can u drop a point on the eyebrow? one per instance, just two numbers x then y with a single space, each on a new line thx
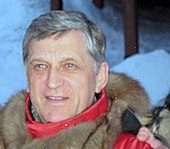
74 60
62 60
37 60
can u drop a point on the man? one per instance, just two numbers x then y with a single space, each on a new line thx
65 105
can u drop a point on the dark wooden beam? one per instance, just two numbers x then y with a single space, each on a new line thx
130 27
56 5
99 3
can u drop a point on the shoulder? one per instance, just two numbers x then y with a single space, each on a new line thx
17 102
129 91
14 107
13 120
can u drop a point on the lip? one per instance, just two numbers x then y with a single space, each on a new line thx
57 100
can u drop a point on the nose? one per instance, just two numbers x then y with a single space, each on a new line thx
54 79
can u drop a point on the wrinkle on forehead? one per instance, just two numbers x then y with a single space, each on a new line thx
65 47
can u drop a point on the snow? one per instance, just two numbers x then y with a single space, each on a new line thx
15 16
150 66
151 70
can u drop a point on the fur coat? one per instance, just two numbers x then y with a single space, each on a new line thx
122 92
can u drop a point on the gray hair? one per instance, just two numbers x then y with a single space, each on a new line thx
55 22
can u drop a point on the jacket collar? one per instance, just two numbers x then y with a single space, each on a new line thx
40 130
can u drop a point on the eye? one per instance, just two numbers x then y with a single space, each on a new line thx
40 66
70 66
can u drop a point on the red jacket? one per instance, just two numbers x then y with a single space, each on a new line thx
39 130
129 141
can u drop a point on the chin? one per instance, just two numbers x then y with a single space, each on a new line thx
56 119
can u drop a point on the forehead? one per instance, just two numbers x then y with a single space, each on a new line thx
71 43
70 36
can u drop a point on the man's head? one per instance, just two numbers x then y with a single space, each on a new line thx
64 56
58 22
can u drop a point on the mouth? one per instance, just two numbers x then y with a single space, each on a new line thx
56 98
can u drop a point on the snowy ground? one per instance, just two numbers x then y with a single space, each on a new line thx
151 69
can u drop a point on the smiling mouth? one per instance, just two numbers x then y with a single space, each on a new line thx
56 98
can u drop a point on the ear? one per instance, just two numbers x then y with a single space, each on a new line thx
28 90
102 77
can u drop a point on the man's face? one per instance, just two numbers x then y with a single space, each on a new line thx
61 76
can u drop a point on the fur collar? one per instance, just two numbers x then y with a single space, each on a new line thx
40 130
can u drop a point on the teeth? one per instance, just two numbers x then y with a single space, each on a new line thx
55 98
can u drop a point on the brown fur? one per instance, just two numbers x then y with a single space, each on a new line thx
128 90
98 134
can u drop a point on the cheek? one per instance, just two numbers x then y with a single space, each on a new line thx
36 82
86 84
90 81
85 88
